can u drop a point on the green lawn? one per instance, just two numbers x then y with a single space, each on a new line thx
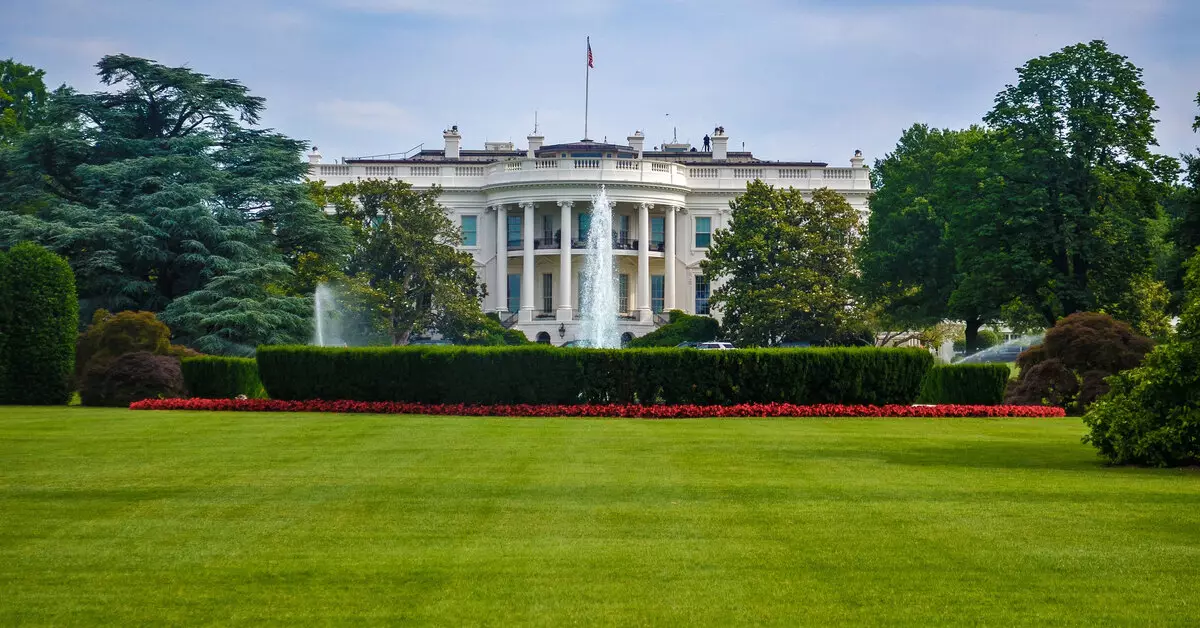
118 517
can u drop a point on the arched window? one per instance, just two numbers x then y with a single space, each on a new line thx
625 338
543 338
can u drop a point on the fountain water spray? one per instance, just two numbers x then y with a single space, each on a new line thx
599 298
326 321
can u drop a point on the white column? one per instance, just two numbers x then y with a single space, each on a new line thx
643 276
501 289
564 263
527 268
669 261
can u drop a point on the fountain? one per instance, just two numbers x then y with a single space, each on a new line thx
599 285
1003 352
327 327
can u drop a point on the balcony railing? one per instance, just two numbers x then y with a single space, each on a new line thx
516 245
618 243
523 170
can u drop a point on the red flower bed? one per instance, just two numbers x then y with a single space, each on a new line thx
598 410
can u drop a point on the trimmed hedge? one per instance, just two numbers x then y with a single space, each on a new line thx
969 384
5 278
42 321
216 377
556 375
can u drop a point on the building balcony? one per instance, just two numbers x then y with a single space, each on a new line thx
518 171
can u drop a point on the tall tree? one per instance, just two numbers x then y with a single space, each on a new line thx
786 265
404 254
927 191
162 184
22 98
1084 187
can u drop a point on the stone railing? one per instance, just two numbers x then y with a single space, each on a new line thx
589 171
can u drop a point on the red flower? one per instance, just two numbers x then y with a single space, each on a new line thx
662 411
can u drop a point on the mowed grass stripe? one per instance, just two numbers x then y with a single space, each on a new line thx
111 516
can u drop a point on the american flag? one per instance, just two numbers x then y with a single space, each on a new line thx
590 53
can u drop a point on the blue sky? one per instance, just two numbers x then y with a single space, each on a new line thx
792 80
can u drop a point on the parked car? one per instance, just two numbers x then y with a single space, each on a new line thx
715 345
687 344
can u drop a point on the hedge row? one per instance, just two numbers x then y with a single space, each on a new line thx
965 384
554 375
221 378
39 318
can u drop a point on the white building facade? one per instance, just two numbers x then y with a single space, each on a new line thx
525 217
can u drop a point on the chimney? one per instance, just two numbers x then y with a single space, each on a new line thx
720 144
857 160
315 156
535 142
453 141
637 141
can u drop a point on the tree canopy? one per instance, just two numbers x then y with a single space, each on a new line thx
1083 187
404 256
787 266
160 185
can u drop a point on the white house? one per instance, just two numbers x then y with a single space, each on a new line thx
525 217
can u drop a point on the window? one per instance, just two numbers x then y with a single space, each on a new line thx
658 230
547 292
585 225
470 230
547 228
623 228
514 232
623 292
656 293
702 292
514 292
703 231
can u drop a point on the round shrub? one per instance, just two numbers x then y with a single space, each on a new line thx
1069 368
43 316
112 335
681 327
131 377
1151 415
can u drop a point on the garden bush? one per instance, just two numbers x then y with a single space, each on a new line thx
131 377
112 335
681 327
42 316
214 377
542 374
4 318
1069 368
965 384
1151 415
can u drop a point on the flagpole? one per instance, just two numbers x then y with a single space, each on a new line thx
587 78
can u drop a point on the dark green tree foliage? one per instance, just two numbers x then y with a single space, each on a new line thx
934 186
484 330
131 377
1151 415
236 312
155 188
42 319
212 377
541 374
1070 366
404 252
965 383
681 327
787 266
1083 186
